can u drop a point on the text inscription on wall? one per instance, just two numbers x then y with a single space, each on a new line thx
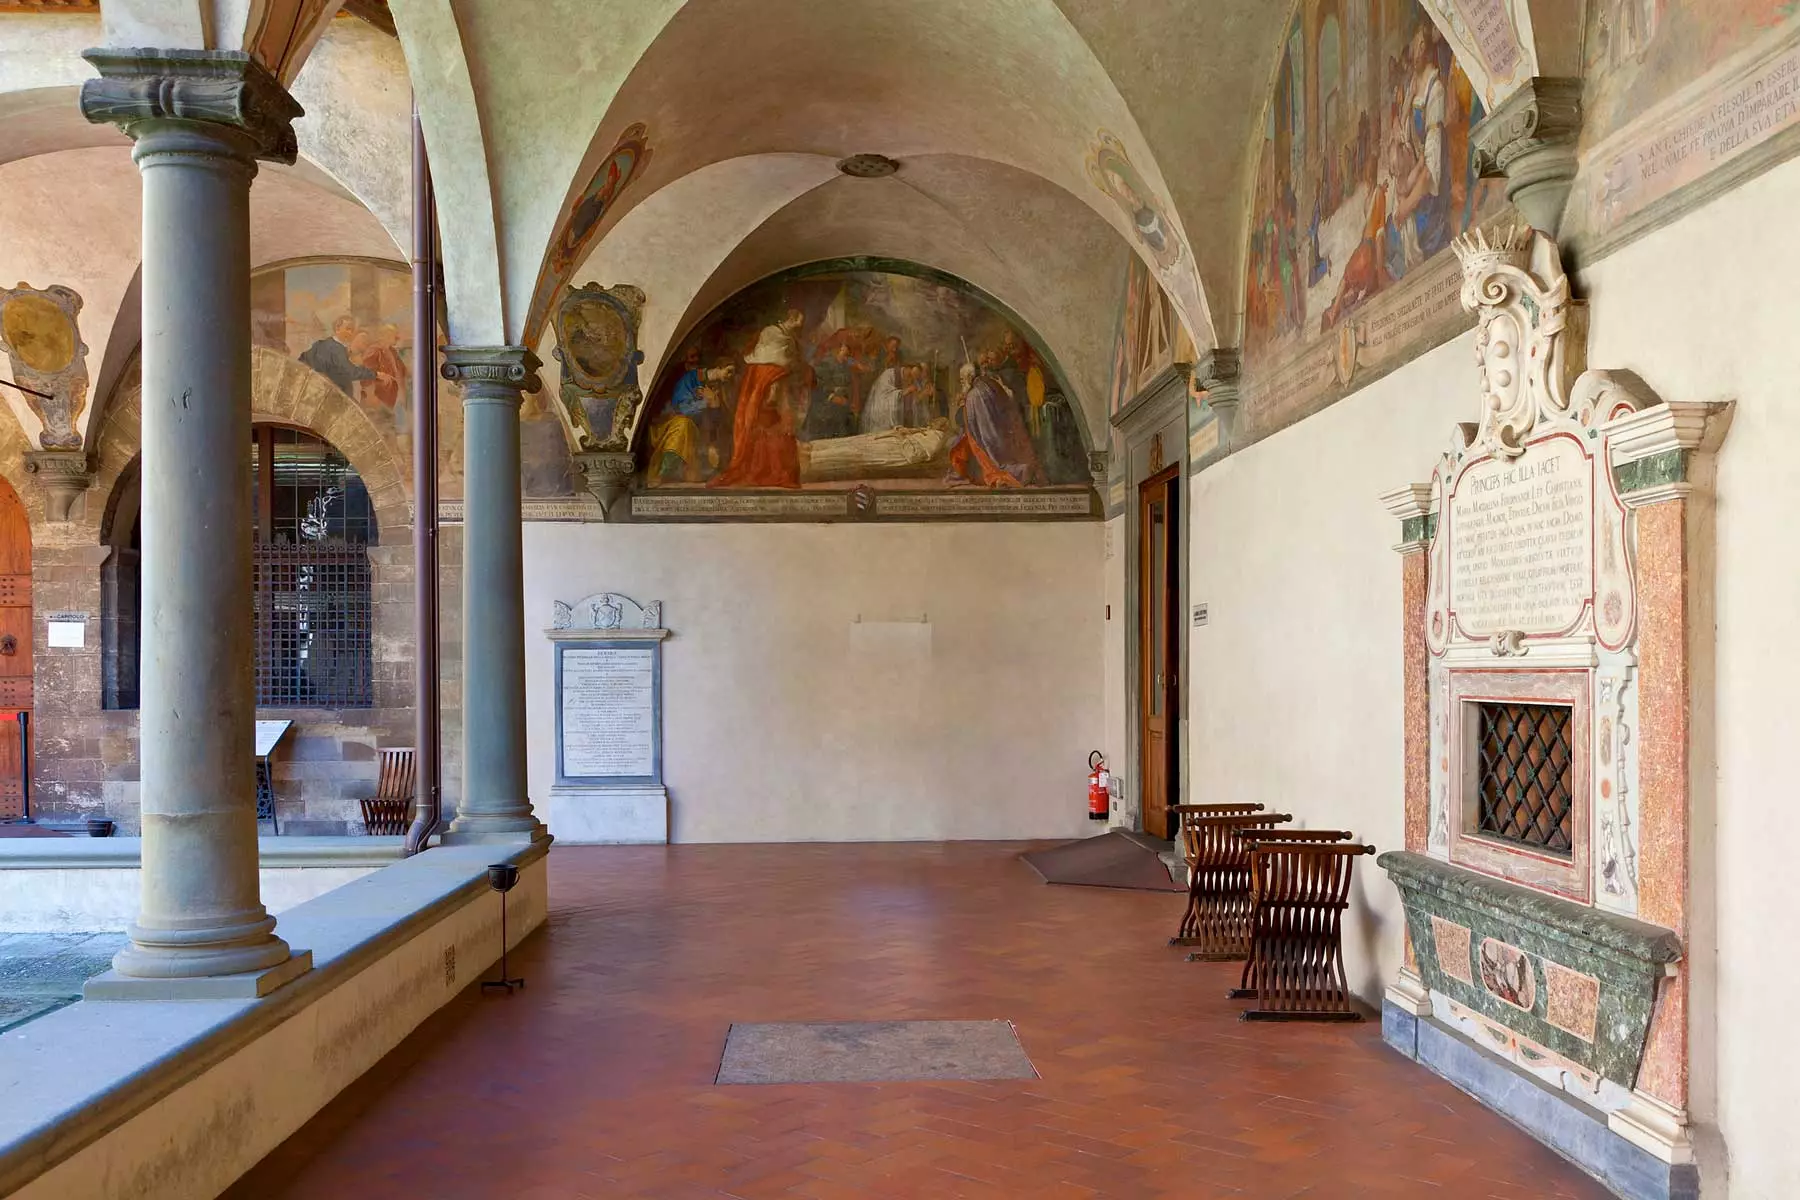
1522 541
608 712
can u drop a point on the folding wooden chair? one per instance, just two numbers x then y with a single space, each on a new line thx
387 811
1217 919
1300 888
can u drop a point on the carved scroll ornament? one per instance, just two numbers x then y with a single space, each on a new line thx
1525 318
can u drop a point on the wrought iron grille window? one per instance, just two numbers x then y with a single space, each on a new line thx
313 618
1525 762
314 601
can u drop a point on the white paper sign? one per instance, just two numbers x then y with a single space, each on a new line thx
67 630
269 735
608 712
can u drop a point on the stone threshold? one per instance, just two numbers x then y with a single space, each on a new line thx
47 854
1575 1131
72 1078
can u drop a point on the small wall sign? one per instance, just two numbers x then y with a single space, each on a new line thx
1200 615
66 630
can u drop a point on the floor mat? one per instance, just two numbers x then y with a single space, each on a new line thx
1113 860
873 1051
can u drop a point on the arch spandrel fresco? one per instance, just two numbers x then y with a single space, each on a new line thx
1363 178
350 320
835 378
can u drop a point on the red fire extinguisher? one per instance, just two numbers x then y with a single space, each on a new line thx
1099 787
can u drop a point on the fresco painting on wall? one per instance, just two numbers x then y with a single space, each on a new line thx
1364 177
1652 127
351 321
1641 52
1112 172
835 377
623 163
1150 337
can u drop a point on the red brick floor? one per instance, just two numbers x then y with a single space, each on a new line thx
597 1080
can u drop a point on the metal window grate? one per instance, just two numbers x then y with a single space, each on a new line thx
1526 773
314 613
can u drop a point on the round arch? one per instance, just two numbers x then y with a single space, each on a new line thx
283 391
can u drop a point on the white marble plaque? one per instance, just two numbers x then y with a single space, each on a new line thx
608 712
1522 541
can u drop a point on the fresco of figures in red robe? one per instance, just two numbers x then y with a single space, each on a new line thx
834 376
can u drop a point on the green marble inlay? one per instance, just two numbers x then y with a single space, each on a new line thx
1658 470
1625 955
1419 529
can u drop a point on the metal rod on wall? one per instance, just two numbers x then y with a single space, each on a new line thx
429 809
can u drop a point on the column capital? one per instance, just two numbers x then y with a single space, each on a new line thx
493 371
1530 140
229 88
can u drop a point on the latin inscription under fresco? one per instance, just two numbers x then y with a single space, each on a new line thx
1522 541
969 504
1739 115
802 504
608 712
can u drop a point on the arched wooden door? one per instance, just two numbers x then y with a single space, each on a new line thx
15 647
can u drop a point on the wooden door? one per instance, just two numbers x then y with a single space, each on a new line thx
15 646
1159 591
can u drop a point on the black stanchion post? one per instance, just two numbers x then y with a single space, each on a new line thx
502 877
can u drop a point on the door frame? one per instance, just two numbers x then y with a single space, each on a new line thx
1161 409
1169 481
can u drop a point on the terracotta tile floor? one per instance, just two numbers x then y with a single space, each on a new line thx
597 1080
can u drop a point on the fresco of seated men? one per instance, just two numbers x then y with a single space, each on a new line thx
844 378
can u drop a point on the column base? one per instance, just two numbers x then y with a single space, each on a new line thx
507 831
246 985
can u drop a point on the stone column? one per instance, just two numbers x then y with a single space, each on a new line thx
494 807
200 120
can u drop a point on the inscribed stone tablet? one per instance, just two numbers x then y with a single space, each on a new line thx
1522 541
608 712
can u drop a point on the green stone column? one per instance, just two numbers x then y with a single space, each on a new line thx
494 806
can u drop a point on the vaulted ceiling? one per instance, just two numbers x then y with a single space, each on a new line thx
993 108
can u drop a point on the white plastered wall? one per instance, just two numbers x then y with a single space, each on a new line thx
1296 680
850 683
1704 309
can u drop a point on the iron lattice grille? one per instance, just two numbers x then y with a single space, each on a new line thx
314 613
1526 774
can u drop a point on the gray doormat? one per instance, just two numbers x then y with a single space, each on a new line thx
873 1052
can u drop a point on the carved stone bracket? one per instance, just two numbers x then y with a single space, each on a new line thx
596 335
608 477
1099 464
138 85
1217 376
63 475
1530 140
